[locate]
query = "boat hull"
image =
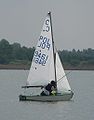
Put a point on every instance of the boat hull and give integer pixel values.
(65, 97)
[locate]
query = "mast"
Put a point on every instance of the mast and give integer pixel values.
(54, 55)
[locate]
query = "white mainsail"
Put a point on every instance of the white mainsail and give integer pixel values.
(42, 66)
(42, 69)
(62, 82)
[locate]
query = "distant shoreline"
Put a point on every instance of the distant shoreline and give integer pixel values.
(14, 66)
(27, 67)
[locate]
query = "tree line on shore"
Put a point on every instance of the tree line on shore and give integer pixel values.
(15, 54)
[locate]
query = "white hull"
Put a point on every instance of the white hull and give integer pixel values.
(64, 97)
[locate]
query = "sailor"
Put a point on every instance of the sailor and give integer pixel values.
(49, 89)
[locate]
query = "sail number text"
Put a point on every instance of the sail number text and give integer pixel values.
(47, 27)
(44, 42)
(40, 58)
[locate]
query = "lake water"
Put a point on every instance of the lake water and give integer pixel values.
(81, 107)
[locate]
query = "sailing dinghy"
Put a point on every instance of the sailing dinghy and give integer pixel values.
(45, 67)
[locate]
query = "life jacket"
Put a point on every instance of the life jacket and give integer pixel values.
(48, 87)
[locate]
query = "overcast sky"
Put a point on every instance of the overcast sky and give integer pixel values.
(73, 22)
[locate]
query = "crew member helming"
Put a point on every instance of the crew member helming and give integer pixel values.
(49, 89)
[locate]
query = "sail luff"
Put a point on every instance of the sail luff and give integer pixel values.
(54, 55)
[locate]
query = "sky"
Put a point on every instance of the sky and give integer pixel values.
(73, 22)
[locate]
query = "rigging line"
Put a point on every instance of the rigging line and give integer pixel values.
(25, 72)
(42, 85)
(64, 76)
